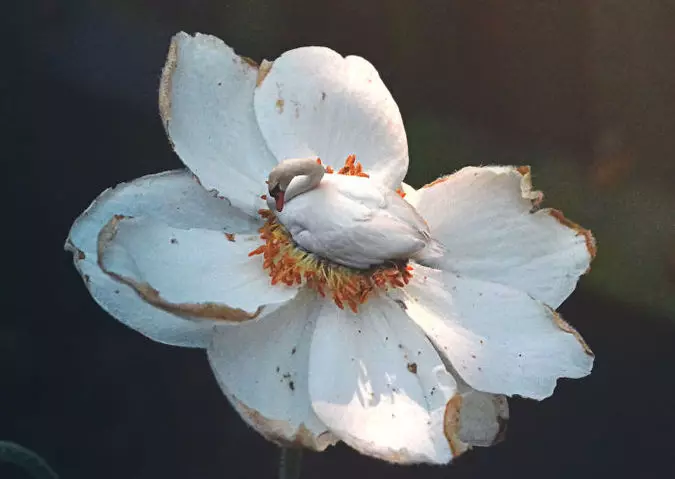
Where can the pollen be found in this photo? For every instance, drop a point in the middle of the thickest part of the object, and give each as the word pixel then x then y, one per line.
pixel 347 287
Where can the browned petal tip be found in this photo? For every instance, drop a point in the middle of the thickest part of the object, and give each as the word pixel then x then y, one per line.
pixel 165 82
pixel 591 245
pixel 248 61
pixel 523 170
pixel 568 328
pixel 263 70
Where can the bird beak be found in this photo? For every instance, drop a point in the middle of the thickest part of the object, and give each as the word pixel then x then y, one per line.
pixel 279 200
pixel 278 195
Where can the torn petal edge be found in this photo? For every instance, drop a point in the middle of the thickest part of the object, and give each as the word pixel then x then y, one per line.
pixel 209 310
pixel 536 197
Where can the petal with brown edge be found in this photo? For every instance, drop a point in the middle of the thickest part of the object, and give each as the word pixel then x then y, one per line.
pixel 379 385
pixel 498 339
pixel 263 369
pixel 206 104
pixel 175 198
pixel 488 222
pixel 191 272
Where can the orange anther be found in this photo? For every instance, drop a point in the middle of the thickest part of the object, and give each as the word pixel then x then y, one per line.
pixel 288 265
pixel 352 305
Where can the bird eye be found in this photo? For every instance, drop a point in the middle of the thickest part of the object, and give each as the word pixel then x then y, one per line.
pixel 275 190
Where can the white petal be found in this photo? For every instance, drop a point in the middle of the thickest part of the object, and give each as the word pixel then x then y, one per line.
pixel 498 339
pixel 409 191
pixel 196 272
pixel 173 197
pixel 380 386
pixel 313 102
pixel 206 103
pixel 263 368
pixel 485 219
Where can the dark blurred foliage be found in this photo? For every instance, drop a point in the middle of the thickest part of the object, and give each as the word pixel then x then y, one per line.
pixel 583 91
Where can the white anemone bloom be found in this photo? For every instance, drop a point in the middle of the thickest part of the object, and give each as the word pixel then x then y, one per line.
pixel 408 361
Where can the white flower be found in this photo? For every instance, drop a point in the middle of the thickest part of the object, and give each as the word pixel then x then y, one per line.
pixel 417 373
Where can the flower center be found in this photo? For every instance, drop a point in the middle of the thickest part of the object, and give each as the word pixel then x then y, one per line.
pixel 291 265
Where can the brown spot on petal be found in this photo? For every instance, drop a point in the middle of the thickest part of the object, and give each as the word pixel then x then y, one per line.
pixel 280 105
pixel 230 237
pixel 81 255
pixel 165 83
pixel 588 236
pixel 412 367
pixel 567 327
pixel 263 70
pixel 451 425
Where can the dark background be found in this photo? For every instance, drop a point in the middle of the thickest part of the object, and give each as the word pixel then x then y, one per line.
pixel 584 91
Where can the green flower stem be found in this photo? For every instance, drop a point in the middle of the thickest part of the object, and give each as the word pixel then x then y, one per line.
pixel 26 459
pixel 290 463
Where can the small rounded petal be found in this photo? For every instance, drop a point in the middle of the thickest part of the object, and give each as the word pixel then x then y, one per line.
pixel 482 418
pixel 206 104
pixel 313 102
pixel 195 272
pixel 378 384
pixel 173 197
pixel 486 219
pixel 262 367
pixel 498 339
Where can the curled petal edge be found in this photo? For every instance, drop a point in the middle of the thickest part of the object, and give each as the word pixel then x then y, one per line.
pixel 207 310
pixel 277 432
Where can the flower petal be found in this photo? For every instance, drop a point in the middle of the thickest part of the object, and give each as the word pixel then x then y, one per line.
pixel 498 339
pixel 380 386
pixel 206 104
pixel 314 102
pixel 486 219
pixel 173 197
pixel 482 418
pixel 263 368
pixel 196 272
